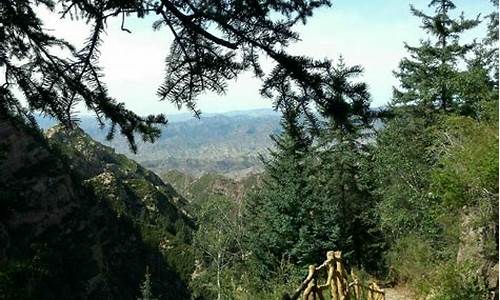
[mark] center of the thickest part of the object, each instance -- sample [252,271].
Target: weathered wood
[375,292]
[357,290]
[303,285]
[337,277]
[337,282]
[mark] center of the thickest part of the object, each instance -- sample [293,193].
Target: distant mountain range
[227,143]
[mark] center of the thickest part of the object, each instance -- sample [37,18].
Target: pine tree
[428,79]
[212,43]
[479,82]
[342,155]
[276,210]
[313,199]
[146,287]
[431,81]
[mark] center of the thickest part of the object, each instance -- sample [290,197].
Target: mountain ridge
[76,227]
[228,144]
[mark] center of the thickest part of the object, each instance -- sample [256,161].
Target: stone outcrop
[477,244]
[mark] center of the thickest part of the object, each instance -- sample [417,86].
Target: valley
[227,144]
[374,177]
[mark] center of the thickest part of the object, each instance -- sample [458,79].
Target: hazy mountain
[228,143]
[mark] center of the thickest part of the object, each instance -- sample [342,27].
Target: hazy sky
[366,32]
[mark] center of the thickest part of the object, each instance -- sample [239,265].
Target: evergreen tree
[411,149]
[428,78]
[491,40]
[277,209]
[213,42]
[146,287]
[342,155]
[479,82]
[313,198]
[343,94]
[406,149]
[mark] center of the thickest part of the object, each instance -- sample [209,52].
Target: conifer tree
[312,199]
[146,287]
[342,155]
[479,82]
[428,78]
[277,208]
[213,42]
[438,77]
[431,80]
[492,40]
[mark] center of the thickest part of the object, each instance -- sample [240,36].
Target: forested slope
[79,221]
[412,203]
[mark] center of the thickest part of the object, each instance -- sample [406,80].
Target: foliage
[410,259]
[438,154]
[429,77]
[454,281]
[467,174]
[468,171]
[146,291]
[277,208]
[315,196]
[218,245]
[31,273]
[283,280]
[413,261]
[212,43]
[402,165]
[339,166]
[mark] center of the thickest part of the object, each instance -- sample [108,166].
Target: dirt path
[398,293]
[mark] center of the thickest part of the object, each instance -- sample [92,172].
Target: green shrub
[414,262]
[454,281]
[410,259]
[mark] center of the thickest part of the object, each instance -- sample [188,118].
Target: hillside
[80,221]
[198,189]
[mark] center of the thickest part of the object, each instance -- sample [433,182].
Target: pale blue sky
[366,32]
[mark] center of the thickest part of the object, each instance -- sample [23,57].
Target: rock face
[79,221]
[478,244]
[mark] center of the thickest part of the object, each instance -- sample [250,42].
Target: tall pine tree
[277,208]
[479,82]
[314,198]
[428,78]
[341,160]
[442,78]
